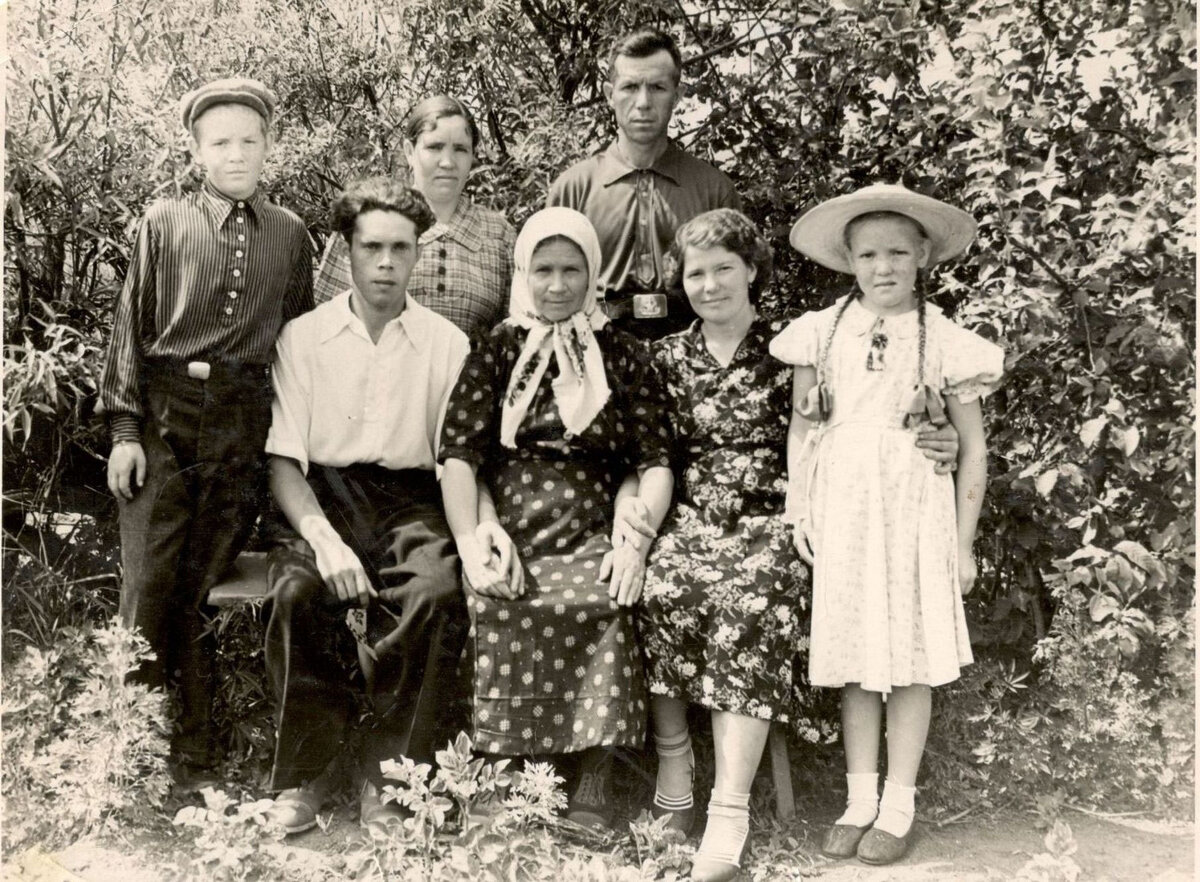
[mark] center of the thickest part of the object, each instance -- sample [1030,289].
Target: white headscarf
[581,388]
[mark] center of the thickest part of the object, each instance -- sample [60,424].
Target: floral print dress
[558,669]
[725,611]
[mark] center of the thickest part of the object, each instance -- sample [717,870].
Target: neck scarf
[581,388]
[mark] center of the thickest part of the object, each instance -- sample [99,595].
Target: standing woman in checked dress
[465,266]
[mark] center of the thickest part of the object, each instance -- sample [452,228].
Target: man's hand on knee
[126,469]
[338,565]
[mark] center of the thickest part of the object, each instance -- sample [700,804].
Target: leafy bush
[82,747]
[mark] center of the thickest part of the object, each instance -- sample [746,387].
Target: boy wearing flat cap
[186,389]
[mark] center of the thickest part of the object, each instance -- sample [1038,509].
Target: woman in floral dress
[552,411]
[725,612]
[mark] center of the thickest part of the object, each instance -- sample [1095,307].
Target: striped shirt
[463,274]
[210,279]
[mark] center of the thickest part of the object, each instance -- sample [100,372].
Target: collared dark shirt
[210,279]
[637,211]
[463,274]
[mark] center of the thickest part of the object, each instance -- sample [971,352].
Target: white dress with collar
[887,609]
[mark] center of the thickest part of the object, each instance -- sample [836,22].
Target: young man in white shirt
[361,385]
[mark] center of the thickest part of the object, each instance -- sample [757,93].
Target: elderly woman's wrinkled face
[558,279]
[717,282]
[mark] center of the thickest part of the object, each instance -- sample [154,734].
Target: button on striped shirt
[210,279]
[463,274]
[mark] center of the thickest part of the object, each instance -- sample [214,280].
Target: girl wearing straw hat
[890,540]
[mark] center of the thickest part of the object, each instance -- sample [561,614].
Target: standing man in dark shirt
[640,189]
[187,391]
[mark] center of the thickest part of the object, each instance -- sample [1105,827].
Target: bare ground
[1007,845]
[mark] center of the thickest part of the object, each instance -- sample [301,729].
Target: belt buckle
[199,370]
[649,305]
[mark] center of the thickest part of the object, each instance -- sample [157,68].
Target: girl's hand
[802,542]
[627,567]
[631,523]
[481,569]
[496,543]
[968,570]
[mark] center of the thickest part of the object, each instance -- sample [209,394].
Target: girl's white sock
[896,809]
[862,799]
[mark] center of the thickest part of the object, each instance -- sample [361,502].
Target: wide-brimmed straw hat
[819,233]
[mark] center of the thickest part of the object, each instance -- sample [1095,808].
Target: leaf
[1046,481]
[1091,430]
[1130,440]
[1101,606]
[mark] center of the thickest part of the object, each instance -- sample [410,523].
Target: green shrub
[82,747]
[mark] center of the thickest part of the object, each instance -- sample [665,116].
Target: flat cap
[231,90]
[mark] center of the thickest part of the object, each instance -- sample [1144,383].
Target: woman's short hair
[724,228]
[424,117]
[642,44]
[379,194]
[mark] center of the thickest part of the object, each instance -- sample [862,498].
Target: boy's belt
[217,370]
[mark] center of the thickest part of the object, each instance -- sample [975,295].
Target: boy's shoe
[841,840]
[295,810]
[878,847]
[590,805]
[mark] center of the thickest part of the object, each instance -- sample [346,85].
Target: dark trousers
[415,629]
[204,486]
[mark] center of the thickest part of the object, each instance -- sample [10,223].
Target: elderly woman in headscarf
[553,410]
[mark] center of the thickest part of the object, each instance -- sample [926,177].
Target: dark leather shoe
[878,848]
[590,805]
[295,810]
[841,840]
[376,814]
[681,819]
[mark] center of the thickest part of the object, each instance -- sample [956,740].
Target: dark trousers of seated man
[204,487]
[415,628]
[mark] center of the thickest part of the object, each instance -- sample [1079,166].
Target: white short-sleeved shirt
[341,399]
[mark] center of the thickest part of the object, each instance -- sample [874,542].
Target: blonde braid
[823,360]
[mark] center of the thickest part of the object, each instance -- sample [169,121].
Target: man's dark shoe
[295,810]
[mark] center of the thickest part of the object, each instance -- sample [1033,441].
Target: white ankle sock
[671,750]
[862,799]
[896,809]
[727,828]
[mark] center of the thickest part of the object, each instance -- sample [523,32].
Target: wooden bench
[248,581]
[781,773]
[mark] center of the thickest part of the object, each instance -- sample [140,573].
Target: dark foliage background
[1066,128]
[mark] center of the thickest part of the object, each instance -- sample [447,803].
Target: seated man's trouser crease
[415,628]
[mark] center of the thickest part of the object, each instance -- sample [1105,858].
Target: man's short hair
[642,44]
[380,194]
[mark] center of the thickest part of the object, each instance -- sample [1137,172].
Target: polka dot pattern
[558,669]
